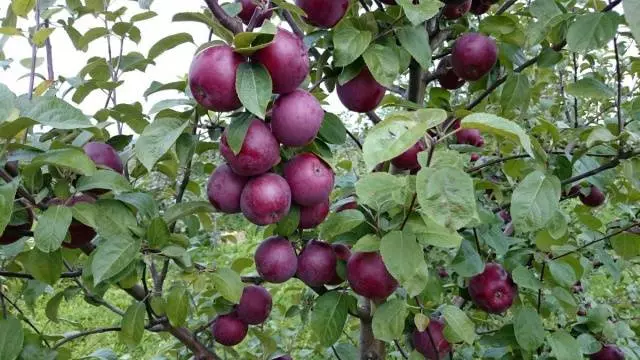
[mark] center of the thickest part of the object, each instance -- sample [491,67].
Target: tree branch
[17,275]
[355,139]
[539,304]
[34,52]
[85,333]
[49,52]
[505,6]
[257,14]
[496,161]
[25,319]
[619,95]
[576,121]
[617,232]
[373,117]
[231,23]
[404,355]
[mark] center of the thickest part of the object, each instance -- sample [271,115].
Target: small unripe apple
[456,11]
[248,8]
[260,151]
[442,272]
[286,60]
[408,160]
[314,215]
[265,199]
[434,347]
[322,13]
[224,189]
[212,78]
[608,352]
[473,56]
[369,277]
[493,290]
[255,305]
[505,215]
[228,330]
[362,93]
[311,179]
[296,118]
[595,197]
[317,263]
[276,260]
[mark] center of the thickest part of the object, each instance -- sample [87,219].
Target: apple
[595,197]
[442,272]
[260,150]
[342,251]
[473,56]
[265,199]
[608,352]
[11,167]
[255,305]
[493,290]
[408,160]
[224,189]
[362,93]
[212,78]
[104,155]
[283,357]
[248,8]
[468,136]
[505,215]
[317,263]
[20,222]
[351,205]
[296,118]
[479,7]
[276,260]
[448,78]
[455,11]
[434,347]
[314,215]
[286,60]
[79,233]
[311,179]
[228,330]
[369,277]
[322,13]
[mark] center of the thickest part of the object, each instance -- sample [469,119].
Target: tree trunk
[370,348]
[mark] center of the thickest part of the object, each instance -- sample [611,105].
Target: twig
[496,161]
[610,165]
[3,304]
[49,51]
[17,275]
[355,139]
[619,97]
[619,231]
[21,190]
[34,53]
[335,352]
[85,333]
[373,117]
[232,24]
[576,121]
[544,266]
[296,30]
[475,235]
[505,6]
[257,14]
[364,5]
[432,148]
[404,355]
[93,297]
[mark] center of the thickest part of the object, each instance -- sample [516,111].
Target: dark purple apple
[468,136]
[260,151]
[456,11]
[608,352]
[224,189]
[296,118]
[255,305]
[505,215]
[265,199]
[104,155]
[479,7]
[212,78]
[314,215]
[351,205]
[322,13]
[248,7]
[311,179]
[12,168]
[473,56]
[448,78]
[362,93]
[574,191]
[317,263]
[228,330]
[493,290]
[276,260]
[79,233]
[286,60]
[408,160]
[434,347]
[283,357]
[369,277]
[442,272]
[21,221]
[342,251]
[595,198]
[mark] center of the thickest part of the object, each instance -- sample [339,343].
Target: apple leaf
[535,201]
[592,30]
[52,227]
[388,320]
[11,338]
[329,316]
[458,325]
[499,126]
[253,84]
[157,139]
[564,346]
[7,196]
[528,328]
[632,14]
[403,257]
[415,40]
[133,324]
[349,42]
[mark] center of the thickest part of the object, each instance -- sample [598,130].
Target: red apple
[276,260]
[322,13]
[314,215]
[212,78]
[362,93]
[79,233]
[104,155]
[260,151]
[255,305]
[369,277]
[286,60]
[431,343]
[408,160]
[448,78]
[493,290]
[21,221]
[265,199]
[228,330]
[311,179]
[456,11]
[608,352]
[595,197]
[473,56]
[224,189]
[296,118]
[317,263]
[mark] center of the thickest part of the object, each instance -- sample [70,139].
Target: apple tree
[486,171]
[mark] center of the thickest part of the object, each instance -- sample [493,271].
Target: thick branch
[619,95]
[231,23]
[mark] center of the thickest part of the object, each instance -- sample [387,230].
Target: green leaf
[91,35]
[419,11]
[246,43]
[499,126]
[589,344]
[599,135]
[525,278]
[397,133]
[253,85]
[388,320]
[566,299]
[133,324]
[144,202]
[57,113]
[429,232]
[158,234]
[112,256]
[208,20]
[143,16]
[7,196]
[53,305]
[515,92]
[592,31]
[237,130]
[562,273]
[627,245]
[104,179]
[52,227]
[42,35]
[181,210]
[289,224]
[467,262]
[632,14]
[168,43]
[228,283]
[415,40]
[8,109]
[380,190]
[349,42]
[45,267]
[382,62]
[339,223]
[403,257]
[528,328]
[329,316]
[447,196]
[367,243]
[347,351]
[332,130]
[22,7]
[458,325]
[177,305]
[535,201]
[11,337]
[157,139]
[590,88]
[564,346]
[69,158]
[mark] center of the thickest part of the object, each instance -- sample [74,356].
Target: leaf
[346,351]
[8,109]
[7,196]
[52,227]
[177,305]
[499,126]
[632,14]
[329,316]
[157,139]
[515,92]
[112,256]
[45,267]
[403,257]
[237,130]
[388,320]
[42,35]
[133,324]
[382,62]
[339,223]
[53,305]
[592,31]
[447,196]
[289,224]
[589,344]
[429,232]
[349,42]
[525,278]
[528,328]
[564,346]
[419,11]
[367,243]
[535,201]
[22,7]
[467,262]
[458,325]
[627,245]
[144,202]
[332,130]
[253,85]
[69,158]
[590,88]
[168,43]
[247,43]
[397,133]
[566,299]
[229,284]
[415,40]
[104,179]
[11,338]
[380,190]
[562,273]
[57,113]
[181,210]
[158,234]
